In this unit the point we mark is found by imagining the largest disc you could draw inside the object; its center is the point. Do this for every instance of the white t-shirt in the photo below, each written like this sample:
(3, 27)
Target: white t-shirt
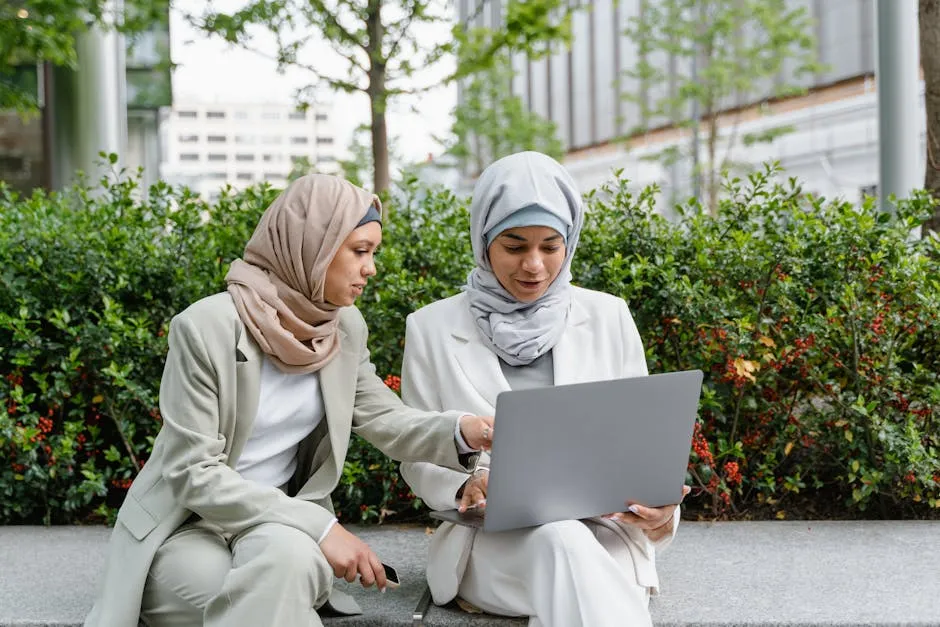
(290, 406)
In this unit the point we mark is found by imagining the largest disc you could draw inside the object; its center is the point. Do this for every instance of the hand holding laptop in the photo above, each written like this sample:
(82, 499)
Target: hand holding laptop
(654, 521)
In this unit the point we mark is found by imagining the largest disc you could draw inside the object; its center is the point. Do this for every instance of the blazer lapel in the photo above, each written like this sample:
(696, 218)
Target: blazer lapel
(338, 388)
(479, 364)
(248, 357)
(570, 366)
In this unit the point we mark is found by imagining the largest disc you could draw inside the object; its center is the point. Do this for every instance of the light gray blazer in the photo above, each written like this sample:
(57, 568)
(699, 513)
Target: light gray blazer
(208, 401)
(446, 364)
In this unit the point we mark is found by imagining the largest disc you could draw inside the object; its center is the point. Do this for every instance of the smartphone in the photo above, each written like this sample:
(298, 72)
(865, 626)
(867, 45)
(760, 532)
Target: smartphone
(391, 575)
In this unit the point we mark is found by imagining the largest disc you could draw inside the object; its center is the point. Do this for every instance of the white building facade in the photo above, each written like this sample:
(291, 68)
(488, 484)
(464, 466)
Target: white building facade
(209, 145)
(833, 148)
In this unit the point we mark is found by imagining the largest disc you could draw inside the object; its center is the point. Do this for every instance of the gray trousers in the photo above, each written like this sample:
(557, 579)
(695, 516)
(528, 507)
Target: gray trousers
(270, 574)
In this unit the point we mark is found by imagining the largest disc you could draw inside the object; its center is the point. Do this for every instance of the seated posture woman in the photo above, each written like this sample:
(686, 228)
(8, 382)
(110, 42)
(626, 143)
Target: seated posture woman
(518, 324)
(230, 522)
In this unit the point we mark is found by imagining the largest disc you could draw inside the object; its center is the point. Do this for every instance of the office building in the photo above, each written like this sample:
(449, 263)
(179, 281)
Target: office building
(210, 145)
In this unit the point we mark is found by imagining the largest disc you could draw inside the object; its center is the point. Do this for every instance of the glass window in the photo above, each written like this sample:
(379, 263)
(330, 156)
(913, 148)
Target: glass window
(297, 115)
(270, 115)
(187, 115)
(188, 139)
(241, 115)
(244, 157)
(267, 158)
(321, 117)
(244, 176)
(216, 156)
(298, 140)
(218, 176)
(245, 139)
(217, 139)
(271, 140)
(189, 156)
(324, 141)
(215, 115)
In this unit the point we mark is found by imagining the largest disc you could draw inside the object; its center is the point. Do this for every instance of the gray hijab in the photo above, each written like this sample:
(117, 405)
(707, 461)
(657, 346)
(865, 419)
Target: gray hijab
(521, 332)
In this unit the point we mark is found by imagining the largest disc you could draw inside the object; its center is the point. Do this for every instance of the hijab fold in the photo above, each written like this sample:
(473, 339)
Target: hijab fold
(278, 285)
(521, 332)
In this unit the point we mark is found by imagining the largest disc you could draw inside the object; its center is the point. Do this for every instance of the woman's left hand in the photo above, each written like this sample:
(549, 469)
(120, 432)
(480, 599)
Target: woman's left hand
(654, 521)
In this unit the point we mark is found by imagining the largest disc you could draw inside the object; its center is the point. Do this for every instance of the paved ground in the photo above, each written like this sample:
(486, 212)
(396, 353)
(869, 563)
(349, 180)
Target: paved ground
(763, 574)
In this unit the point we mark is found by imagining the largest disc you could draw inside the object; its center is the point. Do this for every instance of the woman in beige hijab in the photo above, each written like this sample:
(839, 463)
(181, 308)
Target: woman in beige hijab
(230, 522)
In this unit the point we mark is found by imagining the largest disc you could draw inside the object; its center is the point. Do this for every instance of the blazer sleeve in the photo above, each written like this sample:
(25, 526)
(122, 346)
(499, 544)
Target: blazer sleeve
(192, 452)
(435, 485)
(401, 432)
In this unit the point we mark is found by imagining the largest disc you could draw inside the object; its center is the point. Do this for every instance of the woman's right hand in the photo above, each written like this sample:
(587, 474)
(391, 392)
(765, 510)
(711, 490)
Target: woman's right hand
(351, 557)
(474, 491)
(477, 431)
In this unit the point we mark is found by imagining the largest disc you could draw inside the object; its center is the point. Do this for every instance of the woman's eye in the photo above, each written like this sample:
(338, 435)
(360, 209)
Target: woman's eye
(552, 249)
(513, 249)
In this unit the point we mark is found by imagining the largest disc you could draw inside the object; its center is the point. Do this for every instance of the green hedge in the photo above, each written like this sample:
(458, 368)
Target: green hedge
(89, 280)
(815, 322)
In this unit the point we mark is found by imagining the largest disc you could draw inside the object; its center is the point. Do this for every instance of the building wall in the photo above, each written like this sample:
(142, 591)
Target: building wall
(207, 146)
(834, 148)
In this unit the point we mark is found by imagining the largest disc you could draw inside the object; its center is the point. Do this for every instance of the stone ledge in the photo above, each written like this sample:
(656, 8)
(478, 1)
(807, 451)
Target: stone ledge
(759, 574)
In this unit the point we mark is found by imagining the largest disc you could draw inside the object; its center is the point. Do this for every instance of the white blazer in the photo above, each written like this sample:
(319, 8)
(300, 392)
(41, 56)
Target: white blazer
(447, 365)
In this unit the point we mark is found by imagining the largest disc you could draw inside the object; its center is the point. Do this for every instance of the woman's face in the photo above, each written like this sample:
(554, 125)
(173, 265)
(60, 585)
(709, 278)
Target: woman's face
(352, 265)
(526, 259)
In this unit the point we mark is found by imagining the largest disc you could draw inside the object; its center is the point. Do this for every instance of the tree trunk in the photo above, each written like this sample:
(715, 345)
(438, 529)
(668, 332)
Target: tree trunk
(713, 173)
(380, 177)
(378, 97)
(930, 60)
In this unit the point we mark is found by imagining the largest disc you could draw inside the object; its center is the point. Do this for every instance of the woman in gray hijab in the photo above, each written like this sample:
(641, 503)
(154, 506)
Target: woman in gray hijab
(519, 323)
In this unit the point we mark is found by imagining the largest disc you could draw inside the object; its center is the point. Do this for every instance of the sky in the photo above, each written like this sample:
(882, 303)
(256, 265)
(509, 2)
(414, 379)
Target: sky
(211, 71)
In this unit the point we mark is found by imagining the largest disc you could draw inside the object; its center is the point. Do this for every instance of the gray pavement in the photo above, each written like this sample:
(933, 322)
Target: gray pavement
(760, 574)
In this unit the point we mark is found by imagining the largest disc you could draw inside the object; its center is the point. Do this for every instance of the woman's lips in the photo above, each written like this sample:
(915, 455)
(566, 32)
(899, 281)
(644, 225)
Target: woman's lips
(529, 285)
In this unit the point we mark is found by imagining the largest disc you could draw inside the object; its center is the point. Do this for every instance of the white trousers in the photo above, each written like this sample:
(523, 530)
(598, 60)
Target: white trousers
(564, 574)
(270, 574)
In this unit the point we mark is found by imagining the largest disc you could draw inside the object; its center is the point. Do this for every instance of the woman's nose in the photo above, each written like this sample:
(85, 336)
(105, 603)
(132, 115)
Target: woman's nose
(532, 263)
(369, 268)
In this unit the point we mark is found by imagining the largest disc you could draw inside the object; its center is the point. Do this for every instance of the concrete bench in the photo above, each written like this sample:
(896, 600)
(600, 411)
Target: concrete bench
(742, 574)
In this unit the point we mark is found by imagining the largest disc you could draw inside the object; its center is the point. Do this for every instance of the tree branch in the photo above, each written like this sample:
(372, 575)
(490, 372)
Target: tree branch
(406, 22)
(331, 20)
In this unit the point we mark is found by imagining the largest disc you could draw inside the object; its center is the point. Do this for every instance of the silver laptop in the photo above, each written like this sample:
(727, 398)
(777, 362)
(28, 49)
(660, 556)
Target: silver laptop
(574, 451)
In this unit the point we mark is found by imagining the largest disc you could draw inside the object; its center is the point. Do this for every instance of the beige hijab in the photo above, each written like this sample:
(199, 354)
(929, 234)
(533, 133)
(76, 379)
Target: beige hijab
(278, 285)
